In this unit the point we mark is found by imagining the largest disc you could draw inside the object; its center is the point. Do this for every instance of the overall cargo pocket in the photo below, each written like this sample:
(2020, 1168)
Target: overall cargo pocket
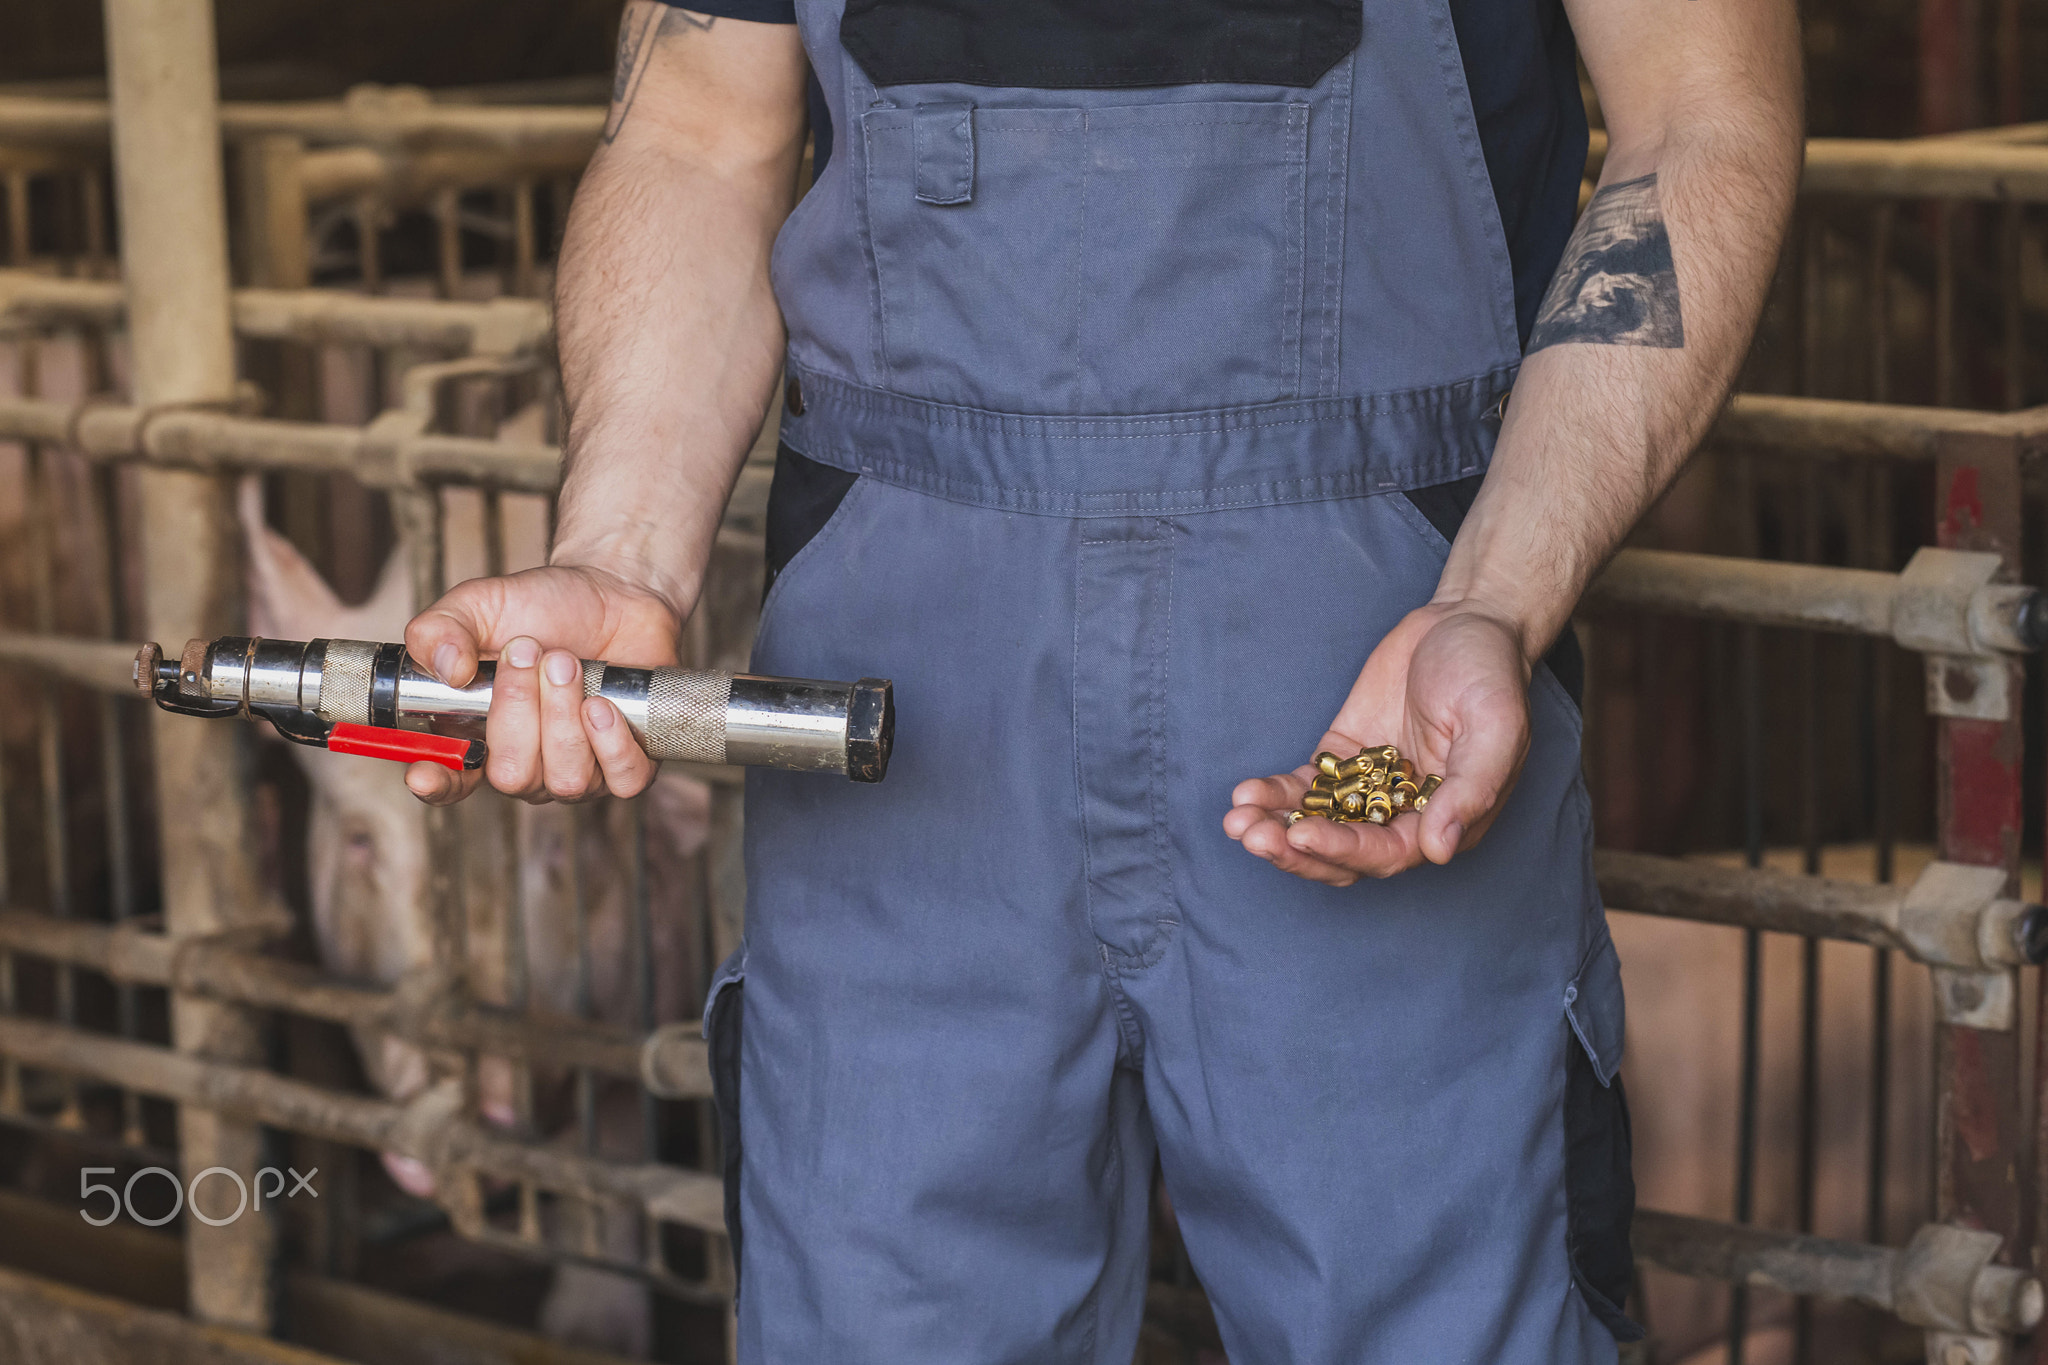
(1121, 259)
(723, 1019)
(1600, 1190)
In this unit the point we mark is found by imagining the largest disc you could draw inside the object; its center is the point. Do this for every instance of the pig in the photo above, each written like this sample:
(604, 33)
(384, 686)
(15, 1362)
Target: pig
(368, 864)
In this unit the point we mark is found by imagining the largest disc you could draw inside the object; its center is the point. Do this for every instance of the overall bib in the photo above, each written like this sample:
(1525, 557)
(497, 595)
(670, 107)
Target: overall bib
(1117, 334)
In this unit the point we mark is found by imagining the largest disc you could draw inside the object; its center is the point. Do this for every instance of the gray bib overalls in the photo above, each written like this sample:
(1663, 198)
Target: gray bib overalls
(1128, 326)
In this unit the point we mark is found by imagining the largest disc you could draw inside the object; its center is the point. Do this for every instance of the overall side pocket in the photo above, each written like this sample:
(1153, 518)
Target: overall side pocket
(1600, 1189)
(803, 496)
(724, 1017)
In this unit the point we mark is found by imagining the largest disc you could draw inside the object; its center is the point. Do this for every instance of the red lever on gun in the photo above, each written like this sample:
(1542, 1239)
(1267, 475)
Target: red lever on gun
(405, 746)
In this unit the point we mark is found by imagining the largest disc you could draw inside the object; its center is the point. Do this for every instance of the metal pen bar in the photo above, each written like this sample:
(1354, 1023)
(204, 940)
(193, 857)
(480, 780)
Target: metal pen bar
(1883, 219)
(1882, 814)
(1945, 303)
(1750, 691)
(55, 807)
(1806, 1150)
(114, 784)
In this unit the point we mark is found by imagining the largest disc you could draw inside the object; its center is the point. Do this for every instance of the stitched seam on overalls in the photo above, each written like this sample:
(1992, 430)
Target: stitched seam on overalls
(1162, 850)
(1297, 221)
(1080, 774)
(879, 331)
(1336, 195)
(1078, 279)
(1308, 488)
(1191, 422)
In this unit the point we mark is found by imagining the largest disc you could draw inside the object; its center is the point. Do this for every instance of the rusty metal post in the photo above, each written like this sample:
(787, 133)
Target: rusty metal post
(161, 72)
(1980, 1180)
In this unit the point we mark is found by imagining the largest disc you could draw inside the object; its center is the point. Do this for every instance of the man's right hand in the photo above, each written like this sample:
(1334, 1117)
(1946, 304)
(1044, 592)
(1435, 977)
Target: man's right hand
(546, 741)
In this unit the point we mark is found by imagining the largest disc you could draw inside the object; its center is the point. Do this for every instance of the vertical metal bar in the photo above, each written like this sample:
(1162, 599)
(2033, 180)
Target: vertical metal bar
(1883, 824)
(17, 218)
(1813, 264)
(274, 211)
(369, 213)
(448, 241)
(93, 203)
(1750, 688)
(1807, 1155)
(1981, 1134)
(419, 514)
(525, 279)
(166, 126)
(114, 783)
(1945, 303)
(10, 1070)
(586, 990)
(1883, 219)
(642, 960)
(2010, 267)
(49, 751)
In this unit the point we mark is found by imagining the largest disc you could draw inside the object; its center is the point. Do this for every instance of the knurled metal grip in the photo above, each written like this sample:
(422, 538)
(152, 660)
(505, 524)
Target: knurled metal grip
(345, 678)
(686, 715)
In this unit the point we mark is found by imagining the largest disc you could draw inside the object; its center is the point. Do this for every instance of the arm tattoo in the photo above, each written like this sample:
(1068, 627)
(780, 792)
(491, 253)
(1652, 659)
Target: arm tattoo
(641, 28)
(1616, 285)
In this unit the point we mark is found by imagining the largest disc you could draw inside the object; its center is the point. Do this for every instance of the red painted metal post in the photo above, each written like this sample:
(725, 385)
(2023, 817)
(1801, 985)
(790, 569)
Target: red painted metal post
(1983, 1180)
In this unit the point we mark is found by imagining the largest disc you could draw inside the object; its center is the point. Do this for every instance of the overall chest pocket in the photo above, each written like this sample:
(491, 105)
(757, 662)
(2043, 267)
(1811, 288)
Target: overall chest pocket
(1123, 259)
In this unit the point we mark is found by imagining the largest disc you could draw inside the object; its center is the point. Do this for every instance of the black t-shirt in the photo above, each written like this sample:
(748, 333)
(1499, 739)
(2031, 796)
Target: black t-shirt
(1521, 66)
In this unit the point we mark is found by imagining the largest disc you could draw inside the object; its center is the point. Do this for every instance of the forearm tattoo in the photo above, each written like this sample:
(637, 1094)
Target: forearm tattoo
(1616, 285)
(641, 28)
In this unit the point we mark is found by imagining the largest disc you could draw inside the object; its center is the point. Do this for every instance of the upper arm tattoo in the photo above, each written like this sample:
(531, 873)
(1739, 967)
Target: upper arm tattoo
(641, 28)
(1616, 285)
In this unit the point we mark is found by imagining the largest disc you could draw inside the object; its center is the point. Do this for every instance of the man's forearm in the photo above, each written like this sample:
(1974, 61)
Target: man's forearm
(669, 333)
(1632, 355)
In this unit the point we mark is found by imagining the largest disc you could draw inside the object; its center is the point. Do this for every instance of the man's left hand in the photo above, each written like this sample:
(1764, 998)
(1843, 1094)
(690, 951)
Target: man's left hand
(1449, 686)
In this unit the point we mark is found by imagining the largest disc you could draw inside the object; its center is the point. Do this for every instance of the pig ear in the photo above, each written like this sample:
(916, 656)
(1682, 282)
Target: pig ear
(389, 607)
(288, 599)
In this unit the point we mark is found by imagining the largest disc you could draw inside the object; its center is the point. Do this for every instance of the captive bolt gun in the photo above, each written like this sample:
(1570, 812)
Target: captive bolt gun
(360, 697)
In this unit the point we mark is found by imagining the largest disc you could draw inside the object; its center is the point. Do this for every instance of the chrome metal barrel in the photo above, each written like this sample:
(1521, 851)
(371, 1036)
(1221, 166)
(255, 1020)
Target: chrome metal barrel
(804, 724)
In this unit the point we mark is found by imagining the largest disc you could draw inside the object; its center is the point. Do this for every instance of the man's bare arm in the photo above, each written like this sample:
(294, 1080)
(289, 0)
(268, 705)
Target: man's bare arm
(1634, 349)
(1654, 304)
(669, 333)
(670, 340)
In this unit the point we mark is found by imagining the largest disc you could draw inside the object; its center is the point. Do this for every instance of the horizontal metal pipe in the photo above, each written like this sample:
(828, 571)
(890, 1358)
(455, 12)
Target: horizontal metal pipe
(1836, 428)
(429, 1128)
(539, 130)
(1763, 592)
(138, 956)
(98, 664)
(1910, 168)
(399, 177)
(1943, 1280)
(1755, 898)
(498, 327)
(1954, 916)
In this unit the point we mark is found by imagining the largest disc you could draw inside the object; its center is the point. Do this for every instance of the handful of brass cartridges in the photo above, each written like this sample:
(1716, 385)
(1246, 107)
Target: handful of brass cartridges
(1370, 789)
